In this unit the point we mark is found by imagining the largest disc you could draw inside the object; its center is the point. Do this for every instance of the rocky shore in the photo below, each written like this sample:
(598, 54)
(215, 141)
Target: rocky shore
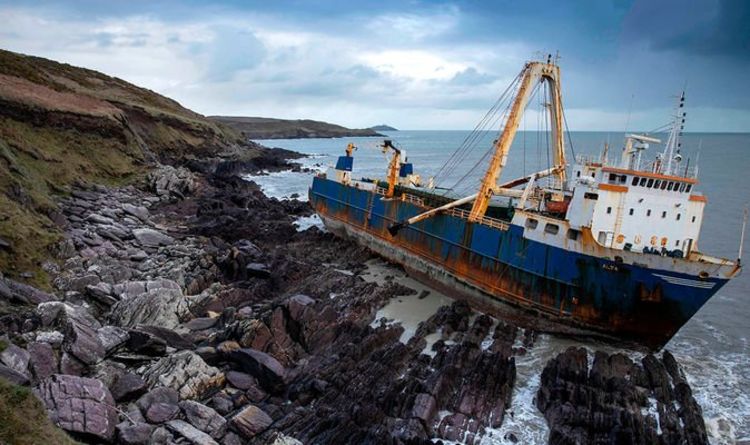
(189, 309)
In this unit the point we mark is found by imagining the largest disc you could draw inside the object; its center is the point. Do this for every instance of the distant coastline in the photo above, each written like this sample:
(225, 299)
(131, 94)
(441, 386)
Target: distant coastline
(269, 128)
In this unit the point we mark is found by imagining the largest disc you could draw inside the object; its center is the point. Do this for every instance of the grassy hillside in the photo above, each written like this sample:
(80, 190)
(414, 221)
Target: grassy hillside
(60, 124)
(268, 128)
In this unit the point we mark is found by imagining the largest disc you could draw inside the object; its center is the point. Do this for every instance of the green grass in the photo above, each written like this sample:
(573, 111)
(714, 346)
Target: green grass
(24, 421)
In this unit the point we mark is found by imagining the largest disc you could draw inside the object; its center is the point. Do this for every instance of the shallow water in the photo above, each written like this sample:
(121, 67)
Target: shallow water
(713, 348)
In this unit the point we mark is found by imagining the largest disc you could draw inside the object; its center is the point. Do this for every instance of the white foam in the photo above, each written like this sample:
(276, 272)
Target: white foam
(305, 222)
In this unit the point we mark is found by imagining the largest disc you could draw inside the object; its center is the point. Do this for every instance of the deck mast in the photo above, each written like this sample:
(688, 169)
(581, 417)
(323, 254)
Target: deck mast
(533, 72)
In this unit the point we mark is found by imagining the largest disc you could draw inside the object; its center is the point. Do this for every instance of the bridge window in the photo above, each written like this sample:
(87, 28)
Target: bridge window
(573, 234)
(648, 212)
(657, 184)
(688, 187)
(650, 183)
(682, 187)
(631, 212)
(664, 214)
(531, 223)
(592, 196)
(670, 185)
(551, 229)
(609, 210)
(643, 182)
(623, 178)
(663, 185)
(635, 180)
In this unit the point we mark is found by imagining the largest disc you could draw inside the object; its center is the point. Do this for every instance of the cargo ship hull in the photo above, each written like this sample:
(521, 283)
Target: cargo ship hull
(500, 271)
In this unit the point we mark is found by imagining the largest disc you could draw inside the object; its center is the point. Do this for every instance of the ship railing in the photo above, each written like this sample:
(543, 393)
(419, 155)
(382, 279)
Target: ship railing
(588, 159)
(458, 213)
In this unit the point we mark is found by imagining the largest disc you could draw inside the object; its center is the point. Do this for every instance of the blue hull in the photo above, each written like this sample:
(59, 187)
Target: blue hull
(578, 293)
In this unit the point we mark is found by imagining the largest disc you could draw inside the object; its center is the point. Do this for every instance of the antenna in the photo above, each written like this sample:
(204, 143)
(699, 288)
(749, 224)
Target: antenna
(742, 237)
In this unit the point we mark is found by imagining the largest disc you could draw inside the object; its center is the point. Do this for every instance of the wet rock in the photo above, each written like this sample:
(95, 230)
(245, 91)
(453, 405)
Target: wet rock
(170, 337)
(201, 324)
(614, 402)
(79, 405)
(269, 372)
(134, 434)
(251, 421)
(204, 418)
(425, 407)
(42, 360)
(161, 412)
(184, 372)
(258, 270)
(127, 387)
(189, 432)
(152, 238)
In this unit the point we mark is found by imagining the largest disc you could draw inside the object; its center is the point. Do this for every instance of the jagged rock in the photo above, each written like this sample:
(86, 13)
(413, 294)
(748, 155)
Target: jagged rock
(142, 342)
(79, 328)
(285, 440)
(134, 434)
(184, 372)
(112, 337)
(222, 403)
(200, 324)
(189, 432)
(16, 359)
(101, 292)
(172, 338)
(161, 412)
(152, 238)
(42, 360)
(71, 366)
(164, 307)
(258, 270)
(251, 421)
(425, 407)
(204, 418)
(167, 180)
(79, 405)
(269, 372)
(127, 387)
(158, 395)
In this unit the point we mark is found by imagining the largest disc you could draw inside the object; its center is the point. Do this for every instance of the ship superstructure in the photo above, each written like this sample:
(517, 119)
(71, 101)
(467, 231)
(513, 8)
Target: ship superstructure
(594, 247)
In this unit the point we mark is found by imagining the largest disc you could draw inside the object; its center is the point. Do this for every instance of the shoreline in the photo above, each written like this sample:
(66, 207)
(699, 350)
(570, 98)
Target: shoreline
(194, 307)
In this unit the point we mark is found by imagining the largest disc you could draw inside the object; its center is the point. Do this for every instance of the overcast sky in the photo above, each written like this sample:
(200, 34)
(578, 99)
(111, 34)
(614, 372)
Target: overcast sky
(410, 64)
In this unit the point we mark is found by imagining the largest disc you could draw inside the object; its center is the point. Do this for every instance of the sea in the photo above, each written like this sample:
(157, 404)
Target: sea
(713, 347)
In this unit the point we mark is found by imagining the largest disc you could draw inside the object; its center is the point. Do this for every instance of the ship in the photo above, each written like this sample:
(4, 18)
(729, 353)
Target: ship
(598, 247)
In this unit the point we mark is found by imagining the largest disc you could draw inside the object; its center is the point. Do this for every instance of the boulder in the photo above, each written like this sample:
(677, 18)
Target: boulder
(164, 307)
(53, 338)
(138, 433)
(112, 337)
(189, 432)
(139, 212)
(251, 421)
(170, 181)
(204, 418)
(185, 372)
(161, 412)
(79, 328)
(152, 238)
(79, 405)
(16, 359)
(240, 380)
(145, 343)
(157, 395)
(127, 387)
(42, 360)
(269, 372)
(12, 376)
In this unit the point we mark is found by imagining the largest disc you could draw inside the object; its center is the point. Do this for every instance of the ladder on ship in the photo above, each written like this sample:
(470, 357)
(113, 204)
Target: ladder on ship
(618, 219)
